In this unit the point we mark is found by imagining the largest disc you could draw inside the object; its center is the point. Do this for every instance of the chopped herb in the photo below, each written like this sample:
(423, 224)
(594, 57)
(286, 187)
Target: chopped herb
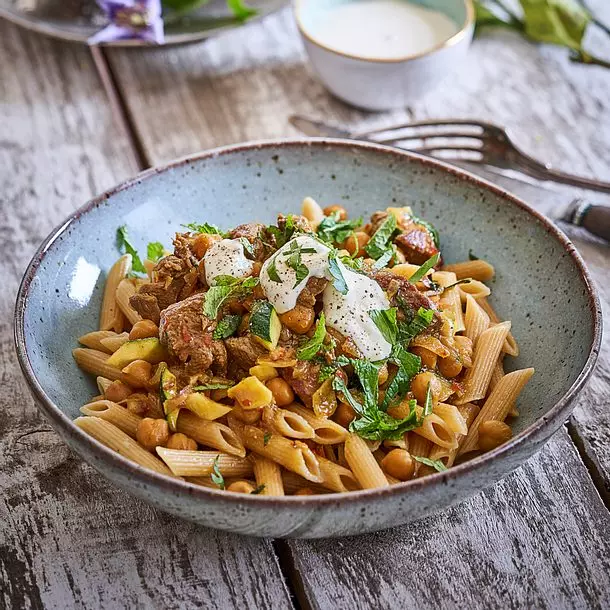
(124, 245)
(464, 281)
(334, 231)
(357, 264)
(328, 370)
(333, 267)
(213, 386)
(418, 324)
(408, 366)
(429, 227)
(421, 272)
(155, 251)
(206, 228)
(472, 257)
(226, 287)
(272, 272)
(385, 320)
(241, 11)
(267, 438)
(436, 464)
(428, 402)
(284, 235)
(385, 258)
(216, 475)
(248, 247)
(308, 350)
(294, 261)
(226, 327)
(378, 243)
(259, 489)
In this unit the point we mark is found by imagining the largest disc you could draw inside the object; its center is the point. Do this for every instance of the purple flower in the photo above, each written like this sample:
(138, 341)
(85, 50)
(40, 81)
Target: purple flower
(137, 19)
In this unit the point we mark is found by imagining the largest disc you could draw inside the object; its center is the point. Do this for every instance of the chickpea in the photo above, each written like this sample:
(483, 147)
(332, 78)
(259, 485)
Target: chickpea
(138, 373)
(117, 391)
(493, 433)
(202, 243)
(333, 209)
(152, 433)
(281, 390)
(182, 442)
(304, 491)
(355, 243)
(449, 367)
(428, 358)
(382, 376)
(344, 414)
(299, 320)
(399, 464)
(143, 330)
(419, 386)
(241, 487)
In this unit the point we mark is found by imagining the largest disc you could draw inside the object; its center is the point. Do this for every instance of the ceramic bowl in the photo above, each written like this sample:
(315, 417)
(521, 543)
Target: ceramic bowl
(385, 84)
(541, 285)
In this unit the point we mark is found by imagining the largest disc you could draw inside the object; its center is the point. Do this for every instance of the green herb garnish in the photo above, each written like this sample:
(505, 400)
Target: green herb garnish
(259, 489)
(408, 366)
(226, 327)
(328, 370)
(124, 245)
(267, 438)
(385, 320)
(309, 349)
(385, 258)
(155, 251)
(378, 243)
(421, 320)
(213, 386)
(272, 271)
(423, 269)
(226, 287)
(248, 247)
(216, 475)
(206, 228)
(282, 236)
(295, 262)
(335, 270)
(334, 231)
(436, 464)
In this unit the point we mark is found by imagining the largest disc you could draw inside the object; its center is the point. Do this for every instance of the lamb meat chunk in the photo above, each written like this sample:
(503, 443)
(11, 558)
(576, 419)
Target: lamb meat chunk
(243, 352)
(147, 306)
(299, 222)
(403, 294)
(253, 232)
(187, 334)
(417, 245)
(303, 378)
(314, 286)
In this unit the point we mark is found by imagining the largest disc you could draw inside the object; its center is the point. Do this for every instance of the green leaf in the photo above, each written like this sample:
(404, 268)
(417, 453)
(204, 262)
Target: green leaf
(378, 243)
(206, 228)
(216, 475)
(282, 236)
(385, 258)
(294, 261)
(248, 247)
(240, 10)
(267, 438)
(335, 270)
(259, 489)
(124, 245)
(213, 386)
(408, 366)
(226, 327)
(428, 401)
(436, 464)
(419, 274)
(385, 320)
(356, 264)
(418, 324)
(334, 231)
(308, 350)
(272, 272)
(328, 370)
(472, 257)
(155, 251)
(226, 287)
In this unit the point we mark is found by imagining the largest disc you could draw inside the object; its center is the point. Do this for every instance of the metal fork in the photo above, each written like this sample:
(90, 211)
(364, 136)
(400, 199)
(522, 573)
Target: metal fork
(457, 139)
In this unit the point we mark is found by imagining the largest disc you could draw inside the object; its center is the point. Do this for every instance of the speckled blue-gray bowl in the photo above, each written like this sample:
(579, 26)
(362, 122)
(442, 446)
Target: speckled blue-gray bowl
(541, 285)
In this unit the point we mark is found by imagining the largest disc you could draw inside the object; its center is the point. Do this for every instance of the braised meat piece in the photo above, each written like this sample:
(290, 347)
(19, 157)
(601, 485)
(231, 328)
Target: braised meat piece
(303, 378)
(314, 286)
(404, 295)
(244, 352)
(299, 222)
(254, 233)
(187, 334)
(147, 306)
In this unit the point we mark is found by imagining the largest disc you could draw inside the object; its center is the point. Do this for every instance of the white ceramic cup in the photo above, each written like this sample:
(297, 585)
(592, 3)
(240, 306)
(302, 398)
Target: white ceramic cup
(385, 84)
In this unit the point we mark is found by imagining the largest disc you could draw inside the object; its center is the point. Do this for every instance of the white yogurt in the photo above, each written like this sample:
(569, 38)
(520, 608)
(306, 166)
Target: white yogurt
(382, 29)
(347, 313)
(226, 257)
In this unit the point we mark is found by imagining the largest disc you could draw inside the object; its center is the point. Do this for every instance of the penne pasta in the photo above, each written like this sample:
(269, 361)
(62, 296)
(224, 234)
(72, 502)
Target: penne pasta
(336, 477)
(486, 354)
(268, 475)
(114, 438)
(450, 299)
(113, 343)
(111, 317)
(436, 430)
(326, 431)
(452, 417)
(498, 405)
(293, 483)
(93, 340)
(476, 321)
(113, 413)
(102, 384)
(287, 423)
(510, 346)
(312, 211)
(94, 362)
(477, 270)
(474, 288)
(210, 433)
(292, 455)
(201, 463)
(363, 464)
(125, 290)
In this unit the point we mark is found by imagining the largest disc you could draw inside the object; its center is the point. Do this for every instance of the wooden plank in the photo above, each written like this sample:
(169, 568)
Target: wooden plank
(538, 539)
(246, 84)
(69, 539)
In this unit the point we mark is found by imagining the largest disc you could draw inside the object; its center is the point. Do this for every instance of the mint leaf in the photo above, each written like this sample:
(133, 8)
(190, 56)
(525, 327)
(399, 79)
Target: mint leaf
(213, 386)
(216, 475)
(206, 228)
(155, 251)
(436, 464)
(272, 272)
(240, 10)
(259, 489)
(248, 247)
(334, 231)
(226, 327)
(308, 350)
(333, 267)
(226, 287)
(378, 243)
(419, 274)
(408, 366)
(385, 258)
(418, 324)
(385, 320)
(125, 246)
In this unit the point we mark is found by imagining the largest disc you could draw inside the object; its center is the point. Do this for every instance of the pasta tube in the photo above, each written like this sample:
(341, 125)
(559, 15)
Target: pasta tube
(202, 463)
(363, 463)
(269, 474)
(113, 413)
(111, 317)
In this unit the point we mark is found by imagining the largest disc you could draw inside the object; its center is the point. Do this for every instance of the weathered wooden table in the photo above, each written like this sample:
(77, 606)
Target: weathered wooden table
(68, 539)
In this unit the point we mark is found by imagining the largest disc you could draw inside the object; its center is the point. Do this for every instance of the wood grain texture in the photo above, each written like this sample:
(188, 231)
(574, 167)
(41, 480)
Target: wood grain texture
(69, 539)
(538, 539)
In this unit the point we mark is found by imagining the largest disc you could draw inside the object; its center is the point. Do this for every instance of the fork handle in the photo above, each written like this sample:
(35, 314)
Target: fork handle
(593, 218)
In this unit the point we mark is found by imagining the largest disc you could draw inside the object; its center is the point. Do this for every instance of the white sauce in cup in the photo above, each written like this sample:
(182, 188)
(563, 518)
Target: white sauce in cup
(382, 29)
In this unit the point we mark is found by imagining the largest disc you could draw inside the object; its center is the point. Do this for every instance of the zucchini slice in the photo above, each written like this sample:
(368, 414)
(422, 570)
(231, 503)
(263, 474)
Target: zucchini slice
(205, 407)
(149, 349)
(265, 324)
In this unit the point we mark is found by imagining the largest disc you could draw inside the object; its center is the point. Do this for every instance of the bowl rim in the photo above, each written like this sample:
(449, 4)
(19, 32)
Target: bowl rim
(145, 477)
(451, 41)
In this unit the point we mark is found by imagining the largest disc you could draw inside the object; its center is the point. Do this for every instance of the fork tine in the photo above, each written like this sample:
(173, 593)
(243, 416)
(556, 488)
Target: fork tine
(445, 135)
(430, 150)
(428, 123)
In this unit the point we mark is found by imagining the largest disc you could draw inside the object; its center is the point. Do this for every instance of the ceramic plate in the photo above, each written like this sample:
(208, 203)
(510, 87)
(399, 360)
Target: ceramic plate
(78, 20)
(541, 285)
